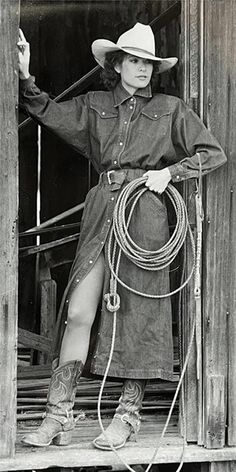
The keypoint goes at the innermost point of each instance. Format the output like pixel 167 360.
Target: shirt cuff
pixel 176 172
pixel 26 84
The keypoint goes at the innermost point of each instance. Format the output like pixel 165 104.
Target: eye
pixel 134 60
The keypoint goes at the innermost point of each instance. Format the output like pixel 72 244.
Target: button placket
pixel 125 126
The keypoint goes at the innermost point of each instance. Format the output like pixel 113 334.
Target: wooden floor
pixel 81 452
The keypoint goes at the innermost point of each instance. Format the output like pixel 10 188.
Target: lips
pixel 141 77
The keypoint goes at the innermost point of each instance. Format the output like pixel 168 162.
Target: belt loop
pixel 109 172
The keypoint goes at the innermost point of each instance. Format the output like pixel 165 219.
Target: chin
pixel 143 85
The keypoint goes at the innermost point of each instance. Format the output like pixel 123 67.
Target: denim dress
pixel 132 134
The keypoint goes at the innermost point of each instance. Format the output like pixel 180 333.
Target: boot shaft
pixel 62 387
pixel 130 402
pixel 132 395
pixel 58 423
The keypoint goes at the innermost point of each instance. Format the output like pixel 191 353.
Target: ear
pixel 117 68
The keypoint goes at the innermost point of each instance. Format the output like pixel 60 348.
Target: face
pixel 135 72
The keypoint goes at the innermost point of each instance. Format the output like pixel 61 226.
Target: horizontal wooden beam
pixel 75 456
pixel 34 371
pixel 56 218
pixel 46 246
pixel 34 341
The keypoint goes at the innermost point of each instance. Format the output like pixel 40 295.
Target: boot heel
pixel 63 438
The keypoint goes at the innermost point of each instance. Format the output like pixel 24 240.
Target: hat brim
pixel 102 46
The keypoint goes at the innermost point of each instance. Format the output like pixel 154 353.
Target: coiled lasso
pixel 119 239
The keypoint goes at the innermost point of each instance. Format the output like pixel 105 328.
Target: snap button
pixel 108 221
pixel 131 108
pixel 177 177
pixel 121 144
pixel 90 262
pixel 125 122
pixel 103 113
pixel 112 198
pixel 115 162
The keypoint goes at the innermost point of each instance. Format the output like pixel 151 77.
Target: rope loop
pixel 115 298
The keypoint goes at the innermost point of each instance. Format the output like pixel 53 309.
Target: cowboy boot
pixel 58 423
pixel 126 419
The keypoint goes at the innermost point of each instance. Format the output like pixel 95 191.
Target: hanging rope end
pixel 112 301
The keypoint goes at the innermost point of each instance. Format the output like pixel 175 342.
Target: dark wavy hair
pixel 110 77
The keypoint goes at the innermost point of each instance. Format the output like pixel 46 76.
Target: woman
pixel 127 133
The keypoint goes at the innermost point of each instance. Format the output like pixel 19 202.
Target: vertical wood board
pixel 8 223
pixel 222 466
pixel 48 293
pixel 215 273
pixel 231 153
pixel 190 93
pixel 215 412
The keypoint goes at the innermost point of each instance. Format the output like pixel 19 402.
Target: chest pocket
pixel 155 124
pixel 105 120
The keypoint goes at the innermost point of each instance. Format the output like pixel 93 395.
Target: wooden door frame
pixel 9 22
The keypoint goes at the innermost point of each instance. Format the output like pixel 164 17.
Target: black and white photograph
pixel 117 240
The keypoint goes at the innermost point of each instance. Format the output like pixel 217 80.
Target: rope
pixel 121 241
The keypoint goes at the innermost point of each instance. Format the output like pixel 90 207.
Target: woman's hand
pixel 23 56
pixel 157 180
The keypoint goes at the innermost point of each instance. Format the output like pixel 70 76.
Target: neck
pixel 129 88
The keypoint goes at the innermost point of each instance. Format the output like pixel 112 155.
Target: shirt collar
pixel 121 94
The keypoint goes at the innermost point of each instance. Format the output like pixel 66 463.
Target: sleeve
pixel 193 140
pixel 68 119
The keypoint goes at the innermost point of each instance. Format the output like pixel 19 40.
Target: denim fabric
pixel 118 131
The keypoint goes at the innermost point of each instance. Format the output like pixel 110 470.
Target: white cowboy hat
pixel 138 41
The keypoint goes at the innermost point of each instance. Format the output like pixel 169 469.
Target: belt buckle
pixel 108 176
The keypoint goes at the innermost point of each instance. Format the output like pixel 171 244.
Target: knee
pixel 79 317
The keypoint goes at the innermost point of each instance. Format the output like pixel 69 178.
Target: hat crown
pixel 138 37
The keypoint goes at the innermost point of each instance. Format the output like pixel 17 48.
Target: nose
pixel 142 65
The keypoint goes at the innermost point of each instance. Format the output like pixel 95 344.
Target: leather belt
pixel 115 178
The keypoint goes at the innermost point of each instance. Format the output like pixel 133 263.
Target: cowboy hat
pixel 137 41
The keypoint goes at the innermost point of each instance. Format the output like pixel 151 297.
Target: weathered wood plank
pixel 46 246
pixel 34 372
pixel 217 202
pixel 190 383
pixel 35 341
pixel 48 294
pixel 222 466
pixel 84 455
pixel 231 152
pixel 215 412
pixel 8 223
pixel 190 93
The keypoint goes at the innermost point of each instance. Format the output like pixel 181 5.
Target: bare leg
pixel 58 424
pixel 81 313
